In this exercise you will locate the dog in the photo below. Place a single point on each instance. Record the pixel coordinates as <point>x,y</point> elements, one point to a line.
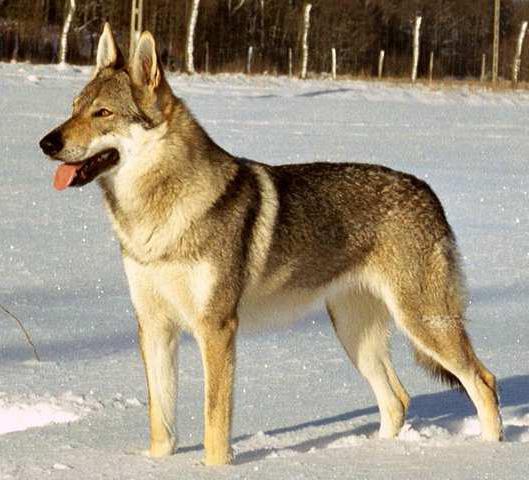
<point>211,243</point>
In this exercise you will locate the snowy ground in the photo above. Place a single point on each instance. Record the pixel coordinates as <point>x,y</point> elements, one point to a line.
<point>301,410</point>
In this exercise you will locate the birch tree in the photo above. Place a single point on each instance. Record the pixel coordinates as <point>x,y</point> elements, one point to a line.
<point>190,39</point>
<point>430,67</point>
<point>333,63</point>
<point>496,41</point>
<point>458,31</point>
<point>136,25</point>
<point>262,22</point>
<point>14,57</point>
<point>518,55</point>
<point>249,61</point>
<point>416,48</point>
<point>381,64</point>
<point>65,31</point>
<point>232,10</point>
<point>305,40</point>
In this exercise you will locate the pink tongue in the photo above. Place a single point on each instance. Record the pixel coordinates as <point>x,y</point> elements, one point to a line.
<point>64,175</point>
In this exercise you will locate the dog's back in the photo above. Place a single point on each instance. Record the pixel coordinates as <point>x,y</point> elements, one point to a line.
<point>332,225</point>
<point>336,217</point>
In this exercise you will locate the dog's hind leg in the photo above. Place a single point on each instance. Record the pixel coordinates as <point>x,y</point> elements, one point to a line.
<point>445,350</point>
<point>429,308</point>
<point>361,324</point>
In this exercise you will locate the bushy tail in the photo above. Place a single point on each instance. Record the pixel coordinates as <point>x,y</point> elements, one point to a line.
<point>447,296</point>
<point>436,370</point>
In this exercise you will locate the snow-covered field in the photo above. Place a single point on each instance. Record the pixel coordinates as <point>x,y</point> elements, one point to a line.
<point>301,410</point>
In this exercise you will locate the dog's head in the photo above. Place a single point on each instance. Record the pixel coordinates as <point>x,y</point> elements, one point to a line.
<point>114,112</point>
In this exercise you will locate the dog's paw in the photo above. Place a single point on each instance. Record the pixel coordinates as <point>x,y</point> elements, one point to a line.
<point>218,458</point>
<point>160,450</point>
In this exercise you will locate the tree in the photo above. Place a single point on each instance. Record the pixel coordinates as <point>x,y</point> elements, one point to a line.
<point>190,40</point>
<point>65,31</point>
<point>307,7</point>
<point>459,32</point>
<point>136,24</point>
<point>496,42</point>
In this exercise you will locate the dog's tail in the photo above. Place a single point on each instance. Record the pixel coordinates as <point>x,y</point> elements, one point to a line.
<point>436,370</point>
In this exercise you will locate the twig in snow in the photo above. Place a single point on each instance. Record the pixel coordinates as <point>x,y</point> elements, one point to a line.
<point>28,338</point>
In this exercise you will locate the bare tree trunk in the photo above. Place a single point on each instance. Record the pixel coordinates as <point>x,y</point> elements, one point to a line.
<point>290,62</point>
<point>237,7</point>
<point>483,68</point>
<point>65,30</point>
<point>262,23</point>
<point>518,55</point>
<point>190,67</point>
<point>430,67</point>
<point>496,44</point>
<point>381,64</point>
<point>14,56</point>
<point>249,61</point>
<point>136,25</point>
<point>305,40</point>
<point>333,59</point>
<point>416,47</point>
<point>206,59</point>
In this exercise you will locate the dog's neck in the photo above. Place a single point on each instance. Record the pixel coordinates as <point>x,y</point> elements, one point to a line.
<point>171,175</point>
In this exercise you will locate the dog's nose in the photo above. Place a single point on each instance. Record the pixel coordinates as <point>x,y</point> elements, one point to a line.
<point>52,143</point>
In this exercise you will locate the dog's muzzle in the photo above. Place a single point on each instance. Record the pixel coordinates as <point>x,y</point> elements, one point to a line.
<point>52,143</point>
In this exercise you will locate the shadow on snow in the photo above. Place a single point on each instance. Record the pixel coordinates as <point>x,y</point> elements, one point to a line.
<point>446,409</point>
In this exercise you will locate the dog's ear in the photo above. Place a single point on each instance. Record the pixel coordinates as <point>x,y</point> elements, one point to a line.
<point>108,52</point>
<point>145,69</point>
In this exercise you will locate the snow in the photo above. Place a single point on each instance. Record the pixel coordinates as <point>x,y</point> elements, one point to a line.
<point>19,416</point>
<point>301,410</point>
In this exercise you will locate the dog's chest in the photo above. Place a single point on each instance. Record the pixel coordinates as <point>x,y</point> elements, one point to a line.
<point>182,291</point>
<point>149,240</point>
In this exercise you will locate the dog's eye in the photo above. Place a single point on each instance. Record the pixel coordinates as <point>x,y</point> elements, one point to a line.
<point>102,112</point>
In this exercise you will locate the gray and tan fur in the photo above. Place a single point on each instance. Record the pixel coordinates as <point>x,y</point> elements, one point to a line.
<point>211,242</point>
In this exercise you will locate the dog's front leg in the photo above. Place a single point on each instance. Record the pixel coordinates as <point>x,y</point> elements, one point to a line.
<point>217,345</point>
<point>159,346</point>
<point>159,336</point>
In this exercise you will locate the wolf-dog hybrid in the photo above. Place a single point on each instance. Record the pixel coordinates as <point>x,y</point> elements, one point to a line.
<point>211,242</point>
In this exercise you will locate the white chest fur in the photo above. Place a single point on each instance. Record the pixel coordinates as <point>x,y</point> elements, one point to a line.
<point>180,291</point>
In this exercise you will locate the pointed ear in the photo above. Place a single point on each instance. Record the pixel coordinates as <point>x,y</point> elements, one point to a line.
<point>108,53</point>
<point>145,69</point>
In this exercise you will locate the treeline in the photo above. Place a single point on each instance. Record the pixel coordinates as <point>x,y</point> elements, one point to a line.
<point>459,32</point>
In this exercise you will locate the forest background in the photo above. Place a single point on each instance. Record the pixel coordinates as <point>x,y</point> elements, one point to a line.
<point>457,32</point>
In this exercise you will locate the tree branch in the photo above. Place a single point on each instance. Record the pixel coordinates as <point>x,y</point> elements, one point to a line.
<point>26,334</point>
<point>237,7</point>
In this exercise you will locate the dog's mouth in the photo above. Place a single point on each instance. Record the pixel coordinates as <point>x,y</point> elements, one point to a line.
<point>79,174</point>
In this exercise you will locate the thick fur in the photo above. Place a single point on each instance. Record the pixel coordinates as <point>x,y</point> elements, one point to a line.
<point>436,370</point>
<point>212,243</point>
